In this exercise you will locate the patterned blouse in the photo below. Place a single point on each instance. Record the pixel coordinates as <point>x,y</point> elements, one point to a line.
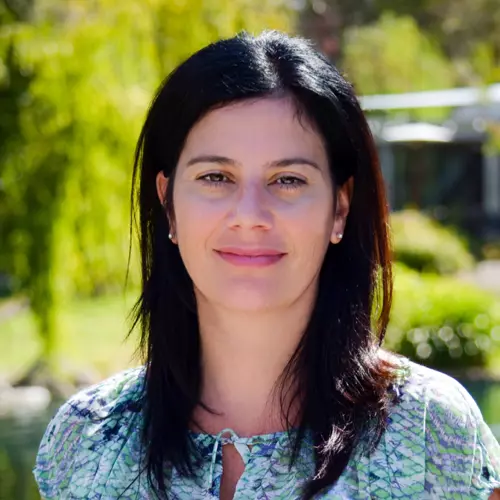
<point>436,446</point>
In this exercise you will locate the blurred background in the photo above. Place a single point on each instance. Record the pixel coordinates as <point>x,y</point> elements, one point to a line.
<point>76,77</point>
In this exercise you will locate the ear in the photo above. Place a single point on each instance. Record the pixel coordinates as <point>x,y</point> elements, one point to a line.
<point>161,187</point>
<point>161,190</point>
<point>344,196</point>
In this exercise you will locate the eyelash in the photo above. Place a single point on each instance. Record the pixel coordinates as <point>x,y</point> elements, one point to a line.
<point>296,184</point>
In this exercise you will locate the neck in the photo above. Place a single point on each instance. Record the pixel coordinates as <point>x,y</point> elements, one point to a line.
<point>243,356</point>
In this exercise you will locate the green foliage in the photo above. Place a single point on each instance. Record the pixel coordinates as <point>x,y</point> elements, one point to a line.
<point>75,82</point>
<point>442,321</point>
<point>467,32</point>
<point>423,244</point>
<point>393,55</point>
<point>491,250</point>
<point>484,64</point>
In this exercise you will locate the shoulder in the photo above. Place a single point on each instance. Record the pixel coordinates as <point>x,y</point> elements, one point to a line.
<point>114,394</point>
<point>437,402</point>
<point>108,399</point>
<point>423,392</point>
<point>438,394</point>
<point>91,421</point>
<point>443,428</point>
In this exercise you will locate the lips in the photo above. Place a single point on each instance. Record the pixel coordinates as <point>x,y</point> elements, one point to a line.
<point>250,257</point>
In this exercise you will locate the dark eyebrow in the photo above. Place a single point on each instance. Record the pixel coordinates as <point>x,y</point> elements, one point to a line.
<point>286,162</point>
<point>222,160</point>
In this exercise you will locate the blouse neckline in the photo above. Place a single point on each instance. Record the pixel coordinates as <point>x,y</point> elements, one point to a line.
<point>402,376</point>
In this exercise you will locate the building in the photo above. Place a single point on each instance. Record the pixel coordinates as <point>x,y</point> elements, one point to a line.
<point>446,169</point>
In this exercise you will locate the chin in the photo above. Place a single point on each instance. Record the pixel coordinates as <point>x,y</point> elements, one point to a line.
<point>250,297</point>
<point>251,306</point>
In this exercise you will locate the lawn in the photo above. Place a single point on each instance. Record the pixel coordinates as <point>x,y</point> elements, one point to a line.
<point>92,342</point>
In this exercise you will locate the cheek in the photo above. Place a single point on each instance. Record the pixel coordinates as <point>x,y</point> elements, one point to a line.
<point>195,220</point>
<point>310,230</point>
<point>312,218</point>
<point>311,240</point>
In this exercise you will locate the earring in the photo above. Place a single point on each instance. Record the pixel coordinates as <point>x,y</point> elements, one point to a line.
<point>339,236</point>
<point>170,236</point>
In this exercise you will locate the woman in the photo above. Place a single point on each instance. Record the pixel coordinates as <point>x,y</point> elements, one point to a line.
<point>266,295</point>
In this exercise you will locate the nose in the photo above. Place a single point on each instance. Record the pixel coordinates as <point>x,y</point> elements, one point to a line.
<point>250,209</point>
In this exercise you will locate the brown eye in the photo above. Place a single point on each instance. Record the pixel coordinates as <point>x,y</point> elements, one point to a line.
<point>290,182</point>
<point>214,178</point>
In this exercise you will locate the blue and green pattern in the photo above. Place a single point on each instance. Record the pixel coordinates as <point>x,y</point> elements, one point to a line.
<point>436,446</point>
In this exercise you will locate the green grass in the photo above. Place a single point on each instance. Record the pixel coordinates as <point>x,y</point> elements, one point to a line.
<point>92,338</point>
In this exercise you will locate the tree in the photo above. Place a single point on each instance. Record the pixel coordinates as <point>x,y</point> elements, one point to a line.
<point>466,31</point>
<point>78,77</point>
<point>392,55</point>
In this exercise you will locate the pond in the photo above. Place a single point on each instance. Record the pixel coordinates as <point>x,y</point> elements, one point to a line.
<point>19,439</point>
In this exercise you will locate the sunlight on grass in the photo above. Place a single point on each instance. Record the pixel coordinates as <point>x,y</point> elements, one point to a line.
<point>19,346</point>
<point>92,339</point>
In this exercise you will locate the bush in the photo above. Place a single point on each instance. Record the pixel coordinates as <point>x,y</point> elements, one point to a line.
<point>441,321</point>
<point>423,244</point>
<point>491,250</point>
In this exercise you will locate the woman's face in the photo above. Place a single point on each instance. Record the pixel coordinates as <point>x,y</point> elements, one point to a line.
<point>253,205</point>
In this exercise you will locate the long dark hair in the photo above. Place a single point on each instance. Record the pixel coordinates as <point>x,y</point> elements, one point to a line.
<point>340,379</point>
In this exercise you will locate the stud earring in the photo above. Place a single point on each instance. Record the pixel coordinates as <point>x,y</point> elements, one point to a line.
<point>339,236</point>
<point>170,236</point>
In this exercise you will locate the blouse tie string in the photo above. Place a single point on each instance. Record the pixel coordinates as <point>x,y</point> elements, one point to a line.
<point>233,438</point>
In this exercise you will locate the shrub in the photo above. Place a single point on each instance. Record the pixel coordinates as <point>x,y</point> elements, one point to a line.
<point>441,321</point>
<point>491,250</point>
<point>423,244</point>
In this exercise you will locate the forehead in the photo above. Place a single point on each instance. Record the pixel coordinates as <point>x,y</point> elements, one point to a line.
<point>264,127</point>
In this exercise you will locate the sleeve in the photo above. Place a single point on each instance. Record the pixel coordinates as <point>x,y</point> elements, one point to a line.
<point>55,458</point>
<point>462,457</point>
<point>486,458</point>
